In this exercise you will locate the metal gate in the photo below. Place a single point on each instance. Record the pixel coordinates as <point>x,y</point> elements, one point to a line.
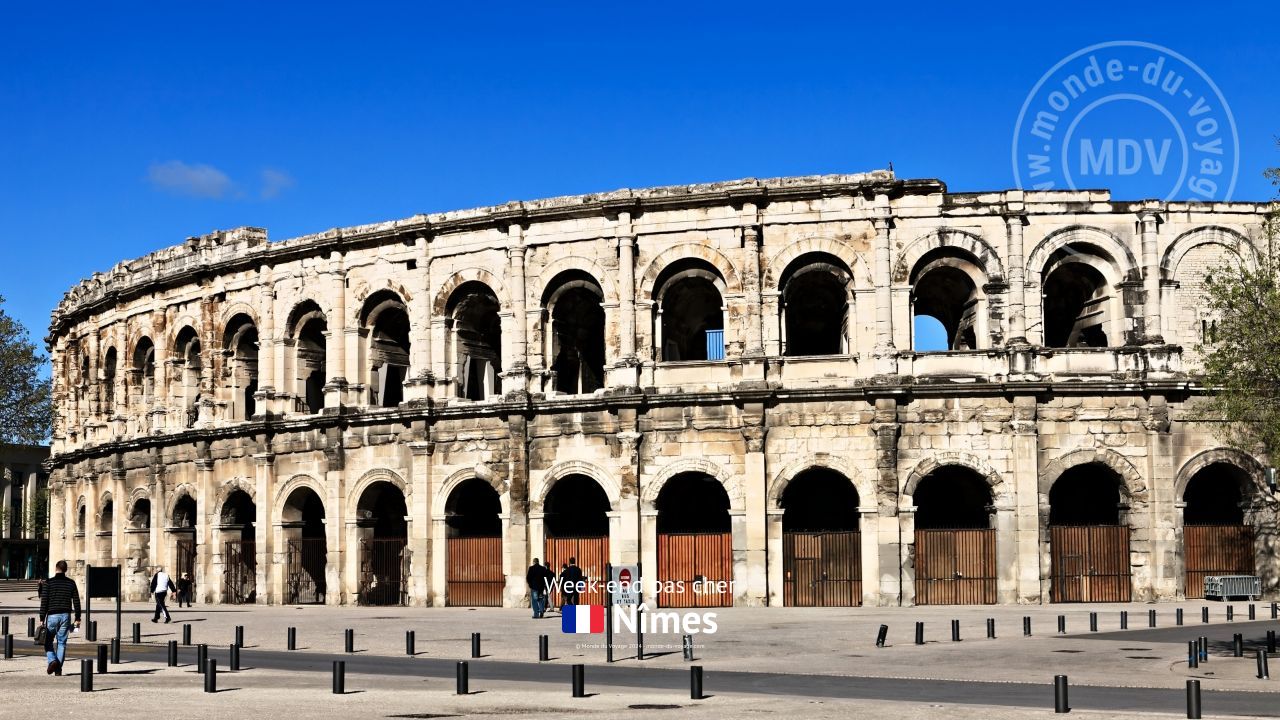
<point>1216,550</point>
<point>1090,563</point>
<point>384,571</point>
<point>688,558</point>
<point>185,557</point>
<point>305,582</point>
<point>592,554</point>
<point>239,571</point>
<point>956,567</point>
<point>822,569</point>
<point>474,576</point>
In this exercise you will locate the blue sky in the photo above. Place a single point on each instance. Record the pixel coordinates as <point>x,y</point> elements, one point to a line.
<point>126,128</point>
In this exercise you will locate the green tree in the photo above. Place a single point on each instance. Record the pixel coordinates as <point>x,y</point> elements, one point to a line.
<point>26,410</point>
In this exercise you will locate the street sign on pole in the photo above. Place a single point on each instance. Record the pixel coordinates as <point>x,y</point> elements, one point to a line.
<point>626,584</point>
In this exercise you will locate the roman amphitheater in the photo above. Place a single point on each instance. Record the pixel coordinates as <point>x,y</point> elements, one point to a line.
<point>726,382</point>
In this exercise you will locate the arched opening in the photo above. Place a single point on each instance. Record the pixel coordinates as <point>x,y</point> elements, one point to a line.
<point>945,288</point>
<point>690,306</point>
<point>576,519</point>
<point>476,332</point>
<point>574,328</point>
<point>140,517</point>
<point>240,344</point>
<point>137,537</point>
<point>385,321</point>
<point>109,364</point>
<point>302,522</point>
<point>695,543</point>
<point>955,543</point>
<point>382,528</point>
<point>237,530</point>
<point>821,545</point>
<point>106,526</point>
<point>816,306</point>
<point>1216,539</point>
<point>188,366</point>
<point>474,575</point>
<point>182,529</point>
<point>309,333</point>
<point>1088,544</point>
<point>1078,300</point>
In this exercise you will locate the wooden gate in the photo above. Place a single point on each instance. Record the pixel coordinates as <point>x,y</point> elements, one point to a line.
<point>822,569</point>
<point>474,575</point>
<point>592,554</point>
<point>1216,550</point>
<point>185,559</point>
<point>1090,563</point>
<point>305,582</point>
<point>686,558</point>
<point>384,571</point>
<point>239,572</point>
<point>956,567</point>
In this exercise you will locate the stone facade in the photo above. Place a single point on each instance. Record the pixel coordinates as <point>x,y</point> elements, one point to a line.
<point>745,332</point>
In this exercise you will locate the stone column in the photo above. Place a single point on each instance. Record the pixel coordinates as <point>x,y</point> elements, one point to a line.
<point>91,509</point>
<point>57,520</point>
<point>1150,219</point>
<point>624,545</point>
<point>627,292</point>
<point>869,529</point>
<point>337,344</point>
<point>1006,526</point>
<point>517,538</point>
<point>1016,305</point>
<point>439,561</point>
<point>207,578</point>
<point>1163,518</point>
<point>418,384</point>
<point>420,544</point>
<point>751,286</point>
<point>270,357</point>
<point>756,480</point>
<point>341,569</point>
<point>1025,478</point>
<point>892,535</point>
<point>886,361</point>
<point>517,364</point>
<point>777,580</point>
<point>158,535</point>
<point>270,576</point>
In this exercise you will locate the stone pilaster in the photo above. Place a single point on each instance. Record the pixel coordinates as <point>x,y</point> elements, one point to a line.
<point>516,353</point>
<point>1163,516</point>
<point>886,355</point>
<point>756,479</point>
<point>1149,218</point>
<point>1025,476</point>
<point>1016,271</point>
<point>421,378</point>
<point>421,547</point>
<point>338,346</point>
<point>270,574</point>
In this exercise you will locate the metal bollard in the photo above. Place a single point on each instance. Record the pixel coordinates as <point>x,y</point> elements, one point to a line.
<point>955,631</point>
<point>1204,614</point>
<point>349,640</point>
<point>1151,618</point>
<point>1178,617</point>
<point>919,633</point>
<point>463,688</point>
<point>102,659</point>
<point>291,638</point>
<point>579,681</point>
<point>91,632</point>
<point>4,624</point>
<point>8,646</point>
<point>1193,698</point>
<point>233,661</point>
<point>695,682</point>
<point>475,645</point>
<point>882,635</point>
<point>1204,649</point>
<point>1060,704</point>
<point>687,645</point>
<point>544,648</point>
<point>1124,619</point>
<point>202,657</point>
<point>1271,641</point>
<point>1237,645</point>
<point>173,653</point>
<point>991,628</point>
<point>186,634</point>
<point>1193,655</point>
<point>86,675</point>
<point>115,651</point>
<point>339,677</point>
<point>137,633</point>
<point>1253,612</point>
<point>409,648</point>
<point>1263,673</point>
<point>240,636</point>
<point>1231,613</point>
<point>1062,624</point>
<point>31,627</point>
<point>1093,622</point>
<point>211,676</point>
<point>1026,625</point>
<point>1275,610</point>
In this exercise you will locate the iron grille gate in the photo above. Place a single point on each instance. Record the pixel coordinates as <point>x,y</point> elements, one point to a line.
<point>185,561</point>
<point>956,567</point>
<point>822,569</point>
<point>474,576</point>
<point>1216,550</point>
<point>1090,563</point>
<point>239,572</point>
<point>306,567</point>
<point>384,571</point>
<point>686,558</point>
<point>591,553</point>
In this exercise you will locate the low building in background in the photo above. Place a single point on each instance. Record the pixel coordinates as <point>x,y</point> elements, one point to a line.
<point>24,512</point>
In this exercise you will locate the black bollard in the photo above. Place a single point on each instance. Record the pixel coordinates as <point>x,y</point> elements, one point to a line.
<point>686,643</point>
<point>186,634</point>
<point>211,676</point>
<point>1193,655</point>
<point>1193,698</point>
<point>919,633</point>
<point>291,638</point>
<point>579,681</point>
<point>1231,613</point>
<point>102,659</point>
<point>1026,625</point>
<point>137,633</point>
<point>1124,619</point>
<point>409,648</point>
<point>1263,673</point>
<point>4,625</point>
<point>233,662</point>
<point>1253,612</point>
<point>1204,614</point>
<point>1275,610</point>
<point>339,677</point>
<point>115,651</point>
<point>1093,622</point>
<point>475,645</point>
<point>173,653</point>
<point>8,646</point>
<point>955,631</point>
<point>882,635</point>
<point>463,688</point>
<point>991,628</point>
<point>1060,704</point>
<point>1237,645</point>
<point>1062,624</point>
<point>86,675</point>
<point>1151,618</point>
<point>350,640</point>
<point>1271,641</point>
<point>544,648</point>
<point>31,627</point>
<point>240,636</point>
<point>1178,616</point>
<point>695,682</point>
<point>202,656</point>
<point>1204,649</point>
<point>91,632</point>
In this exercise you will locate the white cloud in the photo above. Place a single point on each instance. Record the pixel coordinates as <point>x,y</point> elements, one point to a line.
<point>274,182</point>
<point>197,180</point>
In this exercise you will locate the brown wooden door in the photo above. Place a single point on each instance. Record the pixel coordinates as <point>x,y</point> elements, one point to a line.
<point>822,569</point>
<point>592,554</point>
<point>474,576</point>
<point>1090,563</point>
<point>384,571</point>
<point>1216,550</point>
<point>956,567</point>
<point>686,558</point>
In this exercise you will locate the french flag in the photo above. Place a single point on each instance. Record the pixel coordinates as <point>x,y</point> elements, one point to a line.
<point>582,619</point>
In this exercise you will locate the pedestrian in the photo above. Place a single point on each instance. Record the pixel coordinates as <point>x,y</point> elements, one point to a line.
<point>185,586</point>
<point>161,585</point>
<point>550,576</point>
<point>61,598</point>
<point>537,589</point>
<point>571,581</point>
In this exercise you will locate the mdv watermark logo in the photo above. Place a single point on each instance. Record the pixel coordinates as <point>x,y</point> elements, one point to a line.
<point>1131,116</point>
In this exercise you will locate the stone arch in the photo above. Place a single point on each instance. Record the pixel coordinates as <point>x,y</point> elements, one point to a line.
<point>572,262</point>
<point>465,275</point>
<point>141,492</point>
<point>982,251</point>
<point>458,477</point>
<point>815,244</point>
<point>1246,462</point>
<point>237,308</point>
<point>815,461</point>
<point>706,253</point>
<point>178,327</point>
<point>363,291</point>
<point>171,503</point>
<point>300,310</point>
<point>1121,255</point>
<point>1133,487</point>
<point>106,497</point>
<point>732,485</point>
<point>560,470</point>
<point>297,481</point>
<point>1206,235</point>
<point>1001,491</point>
<point>227,488</point>
<point>372,477</point>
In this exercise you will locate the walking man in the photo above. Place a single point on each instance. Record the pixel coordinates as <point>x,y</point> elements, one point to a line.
<point>571,579</point>
<point>550,576</point>
<point>61,598</point>
<point>161,585</point>
<point>536,579</point>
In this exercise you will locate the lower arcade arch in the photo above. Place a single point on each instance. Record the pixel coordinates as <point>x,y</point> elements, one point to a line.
<point>821,542</point>
<point>695,543</point>
<point>576,520</point>
<point>955,538</point>
<point>182,530</point>
<point>474,575</point>
<point>1217,539</point>
<point>302,525</point>
<point>238,535</point>
<point>382,531</point>
<point>1088,537</point>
